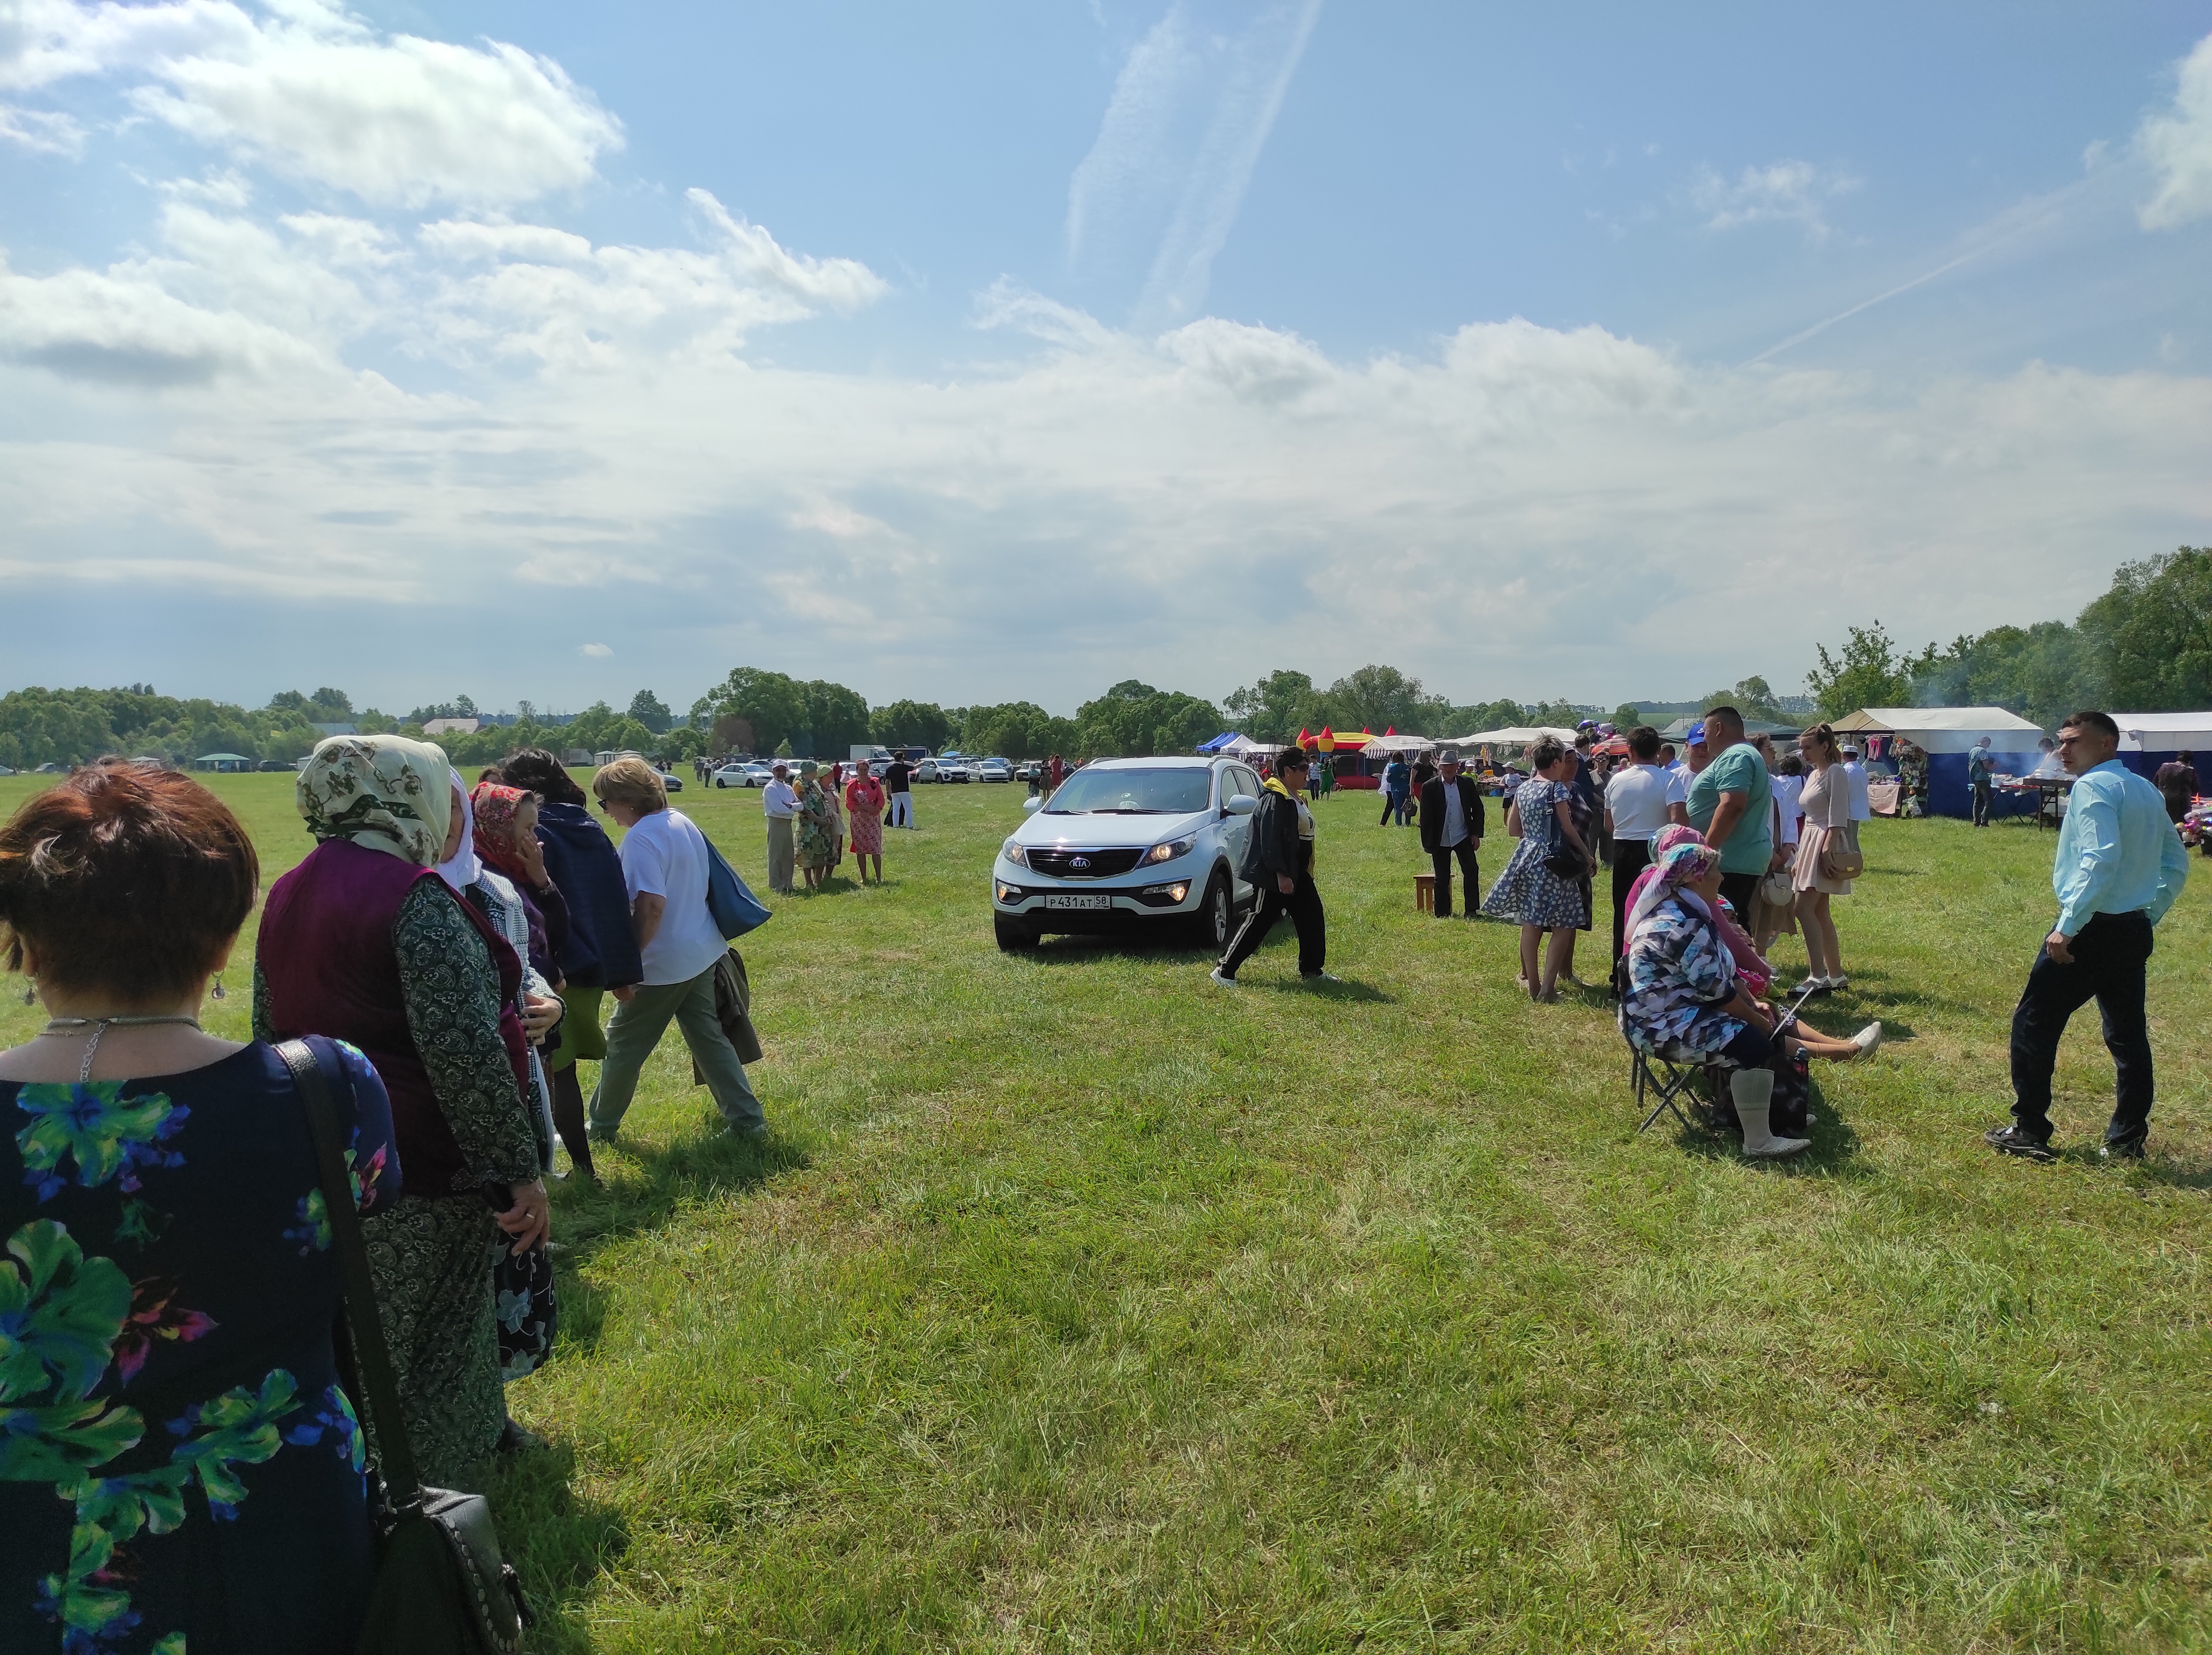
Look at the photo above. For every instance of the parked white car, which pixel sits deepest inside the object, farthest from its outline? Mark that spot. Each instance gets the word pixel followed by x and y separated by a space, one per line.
pixel 994 770
pixel 1130 846
pixel 744 775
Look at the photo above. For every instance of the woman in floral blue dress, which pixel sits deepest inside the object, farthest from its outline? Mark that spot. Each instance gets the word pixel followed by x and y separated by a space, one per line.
pixel 1529 894
pixel 179 1464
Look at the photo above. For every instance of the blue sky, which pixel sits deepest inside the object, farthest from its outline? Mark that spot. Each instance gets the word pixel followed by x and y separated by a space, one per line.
pixel 1006 351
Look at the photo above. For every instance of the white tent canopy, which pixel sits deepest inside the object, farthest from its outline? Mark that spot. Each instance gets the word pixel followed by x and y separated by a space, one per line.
pixel 1946 729
pixel 1244 748
pixel 2164 732
pixel 1380 745
pixel 1518 736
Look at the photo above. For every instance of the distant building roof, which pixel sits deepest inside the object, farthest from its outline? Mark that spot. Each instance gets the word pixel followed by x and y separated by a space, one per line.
pixel 453 726
pixel 222 758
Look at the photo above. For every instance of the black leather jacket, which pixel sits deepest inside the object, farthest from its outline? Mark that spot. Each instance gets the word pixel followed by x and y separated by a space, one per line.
pixel 1276 846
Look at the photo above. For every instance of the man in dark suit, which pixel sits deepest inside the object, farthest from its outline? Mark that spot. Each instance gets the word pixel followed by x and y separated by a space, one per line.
pixel 1451 826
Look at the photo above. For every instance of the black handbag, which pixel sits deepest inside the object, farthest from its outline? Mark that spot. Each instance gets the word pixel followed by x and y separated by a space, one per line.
pixel 441 1587
pixel 1566 863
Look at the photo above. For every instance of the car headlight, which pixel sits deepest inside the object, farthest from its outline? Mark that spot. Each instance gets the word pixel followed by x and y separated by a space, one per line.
pixel 1013 852
pixel 1172 850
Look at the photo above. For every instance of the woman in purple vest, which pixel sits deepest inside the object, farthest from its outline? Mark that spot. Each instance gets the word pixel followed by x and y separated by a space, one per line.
pixel 364 942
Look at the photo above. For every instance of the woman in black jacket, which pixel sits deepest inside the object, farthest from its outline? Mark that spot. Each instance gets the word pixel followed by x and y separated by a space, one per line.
pixel 600 951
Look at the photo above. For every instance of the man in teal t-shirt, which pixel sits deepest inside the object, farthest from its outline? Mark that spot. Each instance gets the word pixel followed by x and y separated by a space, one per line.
pixel 1731 804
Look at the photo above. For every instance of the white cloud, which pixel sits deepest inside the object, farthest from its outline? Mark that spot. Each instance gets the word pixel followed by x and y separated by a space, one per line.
pixel 314 94
pixel 699 506
pixel 2178 144
pixel 42 131
pixel 1787 191
pixel 596 652
pixel 531 291
pixel 1191 112
pixel 125 327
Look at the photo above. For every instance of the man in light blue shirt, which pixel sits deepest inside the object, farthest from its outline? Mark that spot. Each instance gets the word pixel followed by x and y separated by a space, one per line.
pixel 2120 866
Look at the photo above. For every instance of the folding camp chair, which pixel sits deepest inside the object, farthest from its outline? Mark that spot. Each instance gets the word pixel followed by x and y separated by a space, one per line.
pixel 1651 1076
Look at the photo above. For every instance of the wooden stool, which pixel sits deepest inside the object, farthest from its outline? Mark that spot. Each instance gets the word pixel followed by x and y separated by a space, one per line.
pixel 1425 893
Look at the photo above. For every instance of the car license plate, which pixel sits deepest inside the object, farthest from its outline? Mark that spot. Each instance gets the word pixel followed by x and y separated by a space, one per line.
pixel 1059 901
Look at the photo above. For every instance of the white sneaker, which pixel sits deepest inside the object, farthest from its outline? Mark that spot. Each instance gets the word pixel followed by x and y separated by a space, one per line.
pixel 1217 975
pixel 1324 977
pixel 1868 1039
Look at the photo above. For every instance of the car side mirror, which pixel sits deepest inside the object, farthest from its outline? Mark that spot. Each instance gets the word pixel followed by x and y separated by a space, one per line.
pixel 1032 803
pixel 1243 804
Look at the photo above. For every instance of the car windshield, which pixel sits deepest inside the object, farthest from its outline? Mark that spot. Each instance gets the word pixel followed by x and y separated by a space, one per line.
pixel 1174 793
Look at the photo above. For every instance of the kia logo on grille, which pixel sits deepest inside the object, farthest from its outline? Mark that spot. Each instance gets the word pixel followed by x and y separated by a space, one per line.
pixel 1078 861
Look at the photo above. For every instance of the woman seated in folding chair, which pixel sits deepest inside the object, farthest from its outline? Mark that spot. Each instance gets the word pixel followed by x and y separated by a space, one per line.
pixel 1683 998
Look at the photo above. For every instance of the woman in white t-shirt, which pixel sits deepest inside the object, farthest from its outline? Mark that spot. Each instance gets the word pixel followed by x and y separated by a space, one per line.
pixel 663 857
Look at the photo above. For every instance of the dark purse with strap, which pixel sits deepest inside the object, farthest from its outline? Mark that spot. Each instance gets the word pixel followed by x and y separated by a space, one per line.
pixel 441 1587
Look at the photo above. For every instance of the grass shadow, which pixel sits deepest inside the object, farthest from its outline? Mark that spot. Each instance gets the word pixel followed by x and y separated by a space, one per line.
pixel 558 1543
pixel 1340 989
pixel 693 1168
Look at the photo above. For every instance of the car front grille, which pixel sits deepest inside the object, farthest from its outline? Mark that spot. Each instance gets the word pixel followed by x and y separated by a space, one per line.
pixel 1059 863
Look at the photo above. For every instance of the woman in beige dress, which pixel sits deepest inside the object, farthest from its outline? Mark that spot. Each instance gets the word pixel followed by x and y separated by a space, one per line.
pixel 1826 804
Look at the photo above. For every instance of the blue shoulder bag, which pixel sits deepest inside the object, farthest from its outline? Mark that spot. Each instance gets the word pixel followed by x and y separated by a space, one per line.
pixel 735 909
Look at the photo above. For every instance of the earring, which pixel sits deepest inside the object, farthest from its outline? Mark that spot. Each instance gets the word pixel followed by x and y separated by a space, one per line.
pixel 218 993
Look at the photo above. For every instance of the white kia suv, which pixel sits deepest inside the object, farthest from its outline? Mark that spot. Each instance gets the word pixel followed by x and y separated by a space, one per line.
pixel 1130 846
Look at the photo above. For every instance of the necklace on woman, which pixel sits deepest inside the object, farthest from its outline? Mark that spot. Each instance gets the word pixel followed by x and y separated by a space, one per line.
pixel 99 1026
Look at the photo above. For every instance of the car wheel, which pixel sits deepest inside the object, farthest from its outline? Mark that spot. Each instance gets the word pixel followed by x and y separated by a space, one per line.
pixel 1014 935
pixel 1213 925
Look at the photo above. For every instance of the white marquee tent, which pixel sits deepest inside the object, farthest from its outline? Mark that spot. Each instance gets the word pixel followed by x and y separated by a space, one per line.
pixel 1945 729
pixel 1518 736
pixel 2164 732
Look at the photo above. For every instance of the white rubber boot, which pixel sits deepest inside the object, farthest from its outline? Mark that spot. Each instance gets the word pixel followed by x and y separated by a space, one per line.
pixel 1752 1090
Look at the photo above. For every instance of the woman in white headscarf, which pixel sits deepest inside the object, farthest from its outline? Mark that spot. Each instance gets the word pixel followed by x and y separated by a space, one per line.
pixel 364 943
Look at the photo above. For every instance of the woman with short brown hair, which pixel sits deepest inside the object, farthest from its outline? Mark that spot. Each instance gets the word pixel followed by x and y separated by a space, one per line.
pixel 179 1459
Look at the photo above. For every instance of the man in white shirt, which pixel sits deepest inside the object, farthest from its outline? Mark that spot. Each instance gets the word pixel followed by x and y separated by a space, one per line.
pixel 1642 797
pixel 1857 773
pixel 664 862
pixel 779 799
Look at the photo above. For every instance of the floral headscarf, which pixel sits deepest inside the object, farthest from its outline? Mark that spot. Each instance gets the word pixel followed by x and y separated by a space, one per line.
pixel 383 793
pixel 1683 865
pixel 495 806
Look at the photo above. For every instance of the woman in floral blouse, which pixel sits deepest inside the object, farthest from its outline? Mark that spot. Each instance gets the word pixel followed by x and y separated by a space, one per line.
pixel 178 1465
pixel 817 827
pixel 1693 982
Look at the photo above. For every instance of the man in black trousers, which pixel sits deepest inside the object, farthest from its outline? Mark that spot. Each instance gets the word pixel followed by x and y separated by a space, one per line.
pixel 1451 826
pixel 1279 861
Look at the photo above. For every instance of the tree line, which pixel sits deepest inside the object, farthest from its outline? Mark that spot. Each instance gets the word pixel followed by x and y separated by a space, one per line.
pixel 2144 645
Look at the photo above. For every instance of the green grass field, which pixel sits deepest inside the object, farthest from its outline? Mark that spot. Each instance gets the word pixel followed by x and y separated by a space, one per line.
pixel 1078 1305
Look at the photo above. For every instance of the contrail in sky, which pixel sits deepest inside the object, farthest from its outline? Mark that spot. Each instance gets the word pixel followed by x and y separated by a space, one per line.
pixel 2032 216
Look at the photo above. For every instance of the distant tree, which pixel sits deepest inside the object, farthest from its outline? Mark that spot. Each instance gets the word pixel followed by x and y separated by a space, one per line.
pixel 732 734
pixel 1868 673
pixel 773 703
pixel 1378 698
pixel 1753 697
pixel 911 724
pixel 649 710
pixel 2152 633
pixel 1124 722
pixel 836 719
pixel 1626 717
pixel 1487 715
pixel 1275 708
pixel 1017 729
